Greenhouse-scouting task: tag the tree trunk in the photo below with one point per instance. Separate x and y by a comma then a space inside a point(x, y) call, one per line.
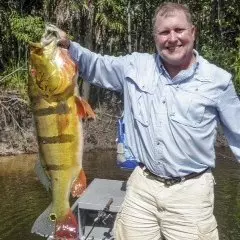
point(89, 44)
point(129, 27)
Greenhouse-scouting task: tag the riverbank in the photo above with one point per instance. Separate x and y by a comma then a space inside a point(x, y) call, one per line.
point(17, 134)
point(98, 134)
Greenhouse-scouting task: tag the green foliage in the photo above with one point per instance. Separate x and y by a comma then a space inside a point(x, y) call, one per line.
point(110, 23)
point(219, 55)
point(26, 28)
point(103, 26)
point(23, 29)
point(15, 78)
point(236, 66)
point(225, 57)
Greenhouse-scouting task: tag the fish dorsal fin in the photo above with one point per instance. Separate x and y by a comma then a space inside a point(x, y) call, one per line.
point(84, 109)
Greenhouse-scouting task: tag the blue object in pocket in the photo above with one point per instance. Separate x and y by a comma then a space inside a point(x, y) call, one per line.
point(124, 163)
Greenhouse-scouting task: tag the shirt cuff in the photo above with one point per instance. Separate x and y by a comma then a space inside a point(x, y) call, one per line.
point(74, 49)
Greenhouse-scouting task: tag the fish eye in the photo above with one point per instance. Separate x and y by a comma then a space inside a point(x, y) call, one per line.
point(53, 217)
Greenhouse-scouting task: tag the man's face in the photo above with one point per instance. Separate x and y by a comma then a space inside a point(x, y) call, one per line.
point(174, 38)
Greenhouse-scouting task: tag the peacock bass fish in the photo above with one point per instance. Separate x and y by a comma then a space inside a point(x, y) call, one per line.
point(58, 111)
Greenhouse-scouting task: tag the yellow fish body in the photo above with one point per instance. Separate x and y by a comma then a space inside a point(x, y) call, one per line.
point(58, 110)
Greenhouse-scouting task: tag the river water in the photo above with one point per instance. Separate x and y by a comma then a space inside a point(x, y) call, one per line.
point(23, 198)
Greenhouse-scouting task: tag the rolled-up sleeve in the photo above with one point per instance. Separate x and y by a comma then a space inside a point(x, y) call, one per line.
point(229, 113)
point(103, 71)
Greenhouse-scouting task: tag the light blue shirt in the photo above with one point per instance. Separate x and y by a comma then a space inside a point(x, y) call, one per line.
point(170, 124)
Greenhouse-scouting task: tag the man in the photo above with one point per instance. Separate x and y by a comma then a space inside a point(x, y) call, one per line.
point(173, 101)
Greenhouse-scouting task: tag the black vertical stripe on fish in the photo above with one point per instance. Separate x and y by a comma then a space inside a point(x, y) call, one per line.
point(35, 100)
point(63, 96)
point(55, 167)
point(61, 108)
point(68, 92)
point(64, 138)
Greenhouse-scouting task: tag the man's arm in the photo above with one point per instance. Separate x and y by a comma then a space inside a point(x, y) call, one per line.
point(229, 113)
point(104, 71)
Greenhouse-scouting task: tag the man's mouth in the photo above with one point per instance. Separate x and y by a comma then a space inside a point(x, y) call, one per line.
point(173, 48)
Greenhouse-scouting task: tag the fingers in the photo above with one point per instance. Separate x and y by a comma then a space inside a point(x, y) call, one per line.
point(64, 43)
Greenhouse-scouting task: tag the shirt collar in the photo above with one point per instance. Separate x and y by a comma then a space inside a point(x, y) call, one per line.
point(182, 75)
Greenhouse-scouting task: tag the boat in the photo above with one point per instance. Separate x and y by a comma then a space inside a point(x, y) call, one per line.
point(97, 207)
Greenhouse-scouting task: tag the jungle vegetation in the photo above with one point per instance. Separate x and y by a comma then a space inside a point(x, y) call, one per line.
point(113, 27)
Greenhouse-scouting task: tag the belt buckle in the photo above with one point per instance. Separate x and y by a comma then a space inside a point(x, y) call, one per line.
point(169, 182)
point(172, 181)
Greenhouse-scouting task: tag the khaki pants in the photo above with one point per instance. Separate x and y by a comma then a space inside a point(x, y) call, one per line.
point(152, 211)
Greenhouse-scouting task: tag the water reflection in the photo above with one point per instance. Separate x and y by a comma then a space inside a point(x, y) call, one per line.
point(23, 198)
point(227, 195)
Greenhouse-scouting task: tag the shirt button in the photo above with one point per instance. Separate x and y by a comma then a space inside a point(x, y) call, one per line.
point(158, 143)
point(163, 101)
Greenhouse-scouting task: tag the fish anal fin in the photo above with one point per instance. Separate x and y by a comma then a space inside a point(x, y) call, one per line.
point(84, 109)
point(79, 184)
point(67, 227)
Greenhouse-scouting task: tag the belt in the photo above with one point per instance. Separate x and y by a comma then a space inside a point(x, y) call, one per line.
point(171, 181)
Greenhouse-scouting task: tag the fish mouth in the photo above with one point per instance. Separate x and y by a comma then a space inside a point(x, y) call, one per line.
point(36, 48)
point(35, 45)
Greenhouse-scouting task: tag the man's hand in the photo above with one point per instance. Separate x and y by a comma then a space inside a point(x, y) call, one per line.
point(63, 42)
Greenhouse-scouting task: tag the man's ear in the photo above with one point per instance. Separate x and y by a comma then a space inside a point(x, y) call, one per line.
point(194, 32)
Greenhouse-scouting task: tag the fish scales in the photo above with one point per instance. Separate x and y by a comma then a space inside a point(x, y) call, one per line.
point(57, 110)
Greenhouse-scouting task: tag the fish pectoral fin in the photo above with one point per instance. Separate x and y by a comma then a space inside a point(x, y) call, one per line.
point(84, 109)
point(67, 228)
point(79, 184)
point(43, 226)
point(42, 175)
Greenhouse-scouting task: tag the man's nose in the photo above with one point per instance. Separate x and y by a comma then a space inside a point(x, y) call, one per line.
point(172, 36)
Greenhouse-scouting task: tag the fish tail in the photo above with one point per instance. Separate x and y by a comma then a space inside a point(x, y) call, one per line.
point(43, 226)
point(79, 184)
point(67, 228)
point(63, 229)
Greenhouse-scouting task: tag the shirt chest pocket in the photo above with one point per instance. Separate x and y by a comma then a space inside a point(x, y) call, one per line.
point(140, 104)
point(141, 109)
point(187, 109)
point(140, 97)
